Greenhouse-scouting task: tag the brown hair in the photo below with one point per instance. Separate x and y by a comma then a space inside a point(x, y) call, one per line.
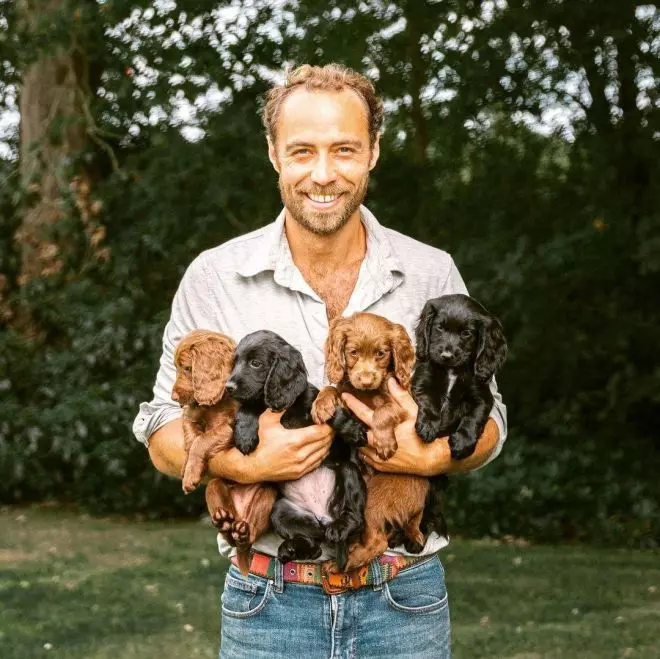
point(331, 77)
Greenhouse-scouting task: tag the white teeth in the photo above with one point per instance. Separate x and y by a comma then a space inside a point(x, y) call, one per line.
point(325, 199)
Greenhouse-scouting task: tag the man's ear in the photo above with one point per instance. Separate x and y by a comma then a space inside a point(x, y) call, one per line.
point(375, 153)
point(272, 155)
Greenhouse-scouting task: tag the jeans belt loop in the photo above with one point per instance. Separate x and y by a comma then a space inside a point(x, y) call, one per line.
point(278, 576)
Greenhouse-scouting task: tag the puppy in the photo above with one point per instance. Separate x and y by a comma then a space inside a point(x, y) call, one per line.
point(326, 504)
point(241, 512)
point(203, 361)
point(460, 346)
point(362, 352)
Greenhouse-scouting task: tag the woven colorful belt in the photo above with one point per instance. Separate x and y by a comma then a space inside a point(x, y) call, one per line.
point(262, 565)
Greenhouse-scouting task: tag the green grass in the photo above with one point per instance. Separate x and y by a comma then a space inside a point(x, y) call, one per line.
point(107, 588)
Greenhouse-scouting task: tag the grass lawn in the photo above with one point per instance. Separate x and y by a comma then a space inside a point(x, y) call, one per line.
point(81, 588)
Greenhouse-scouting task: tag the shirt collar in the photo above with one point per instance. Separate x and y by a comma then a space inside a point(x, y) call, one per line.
point(380, 272)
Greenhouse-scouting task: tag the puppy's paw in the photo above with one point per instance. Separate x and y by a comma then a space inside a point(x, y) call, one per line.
point(298, 548)
point(190, 483)
point(246, 444)
point(337, 531)
point(428, 432)
point(240, 533)
point(413, 546)
point(329, 567)
point(461, 445)
point(325, 405)
point(386, 449)
point(223, 520)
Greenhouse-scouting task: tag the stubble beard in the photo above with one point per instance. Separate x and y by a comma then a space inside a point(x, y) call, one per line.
point(322, 223)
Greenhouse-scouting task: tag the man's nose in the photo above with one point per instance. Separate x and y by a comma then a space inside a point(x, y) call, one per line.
point(175, 395)
point(324, 170)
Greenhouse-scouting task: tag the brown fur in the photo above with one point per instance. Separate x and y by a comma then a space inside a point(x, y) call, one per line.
point(203, 361)
point(394, 501)
point(362, 352)
point(241, 513)
point(203, 364)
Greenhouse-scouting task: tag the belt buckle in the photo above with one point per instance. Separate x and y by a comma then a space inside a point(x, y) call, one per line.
point(336, 583)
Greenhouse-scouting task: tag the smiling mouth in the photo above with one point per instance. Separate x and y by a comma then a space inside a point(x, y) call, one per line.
point(323, 201)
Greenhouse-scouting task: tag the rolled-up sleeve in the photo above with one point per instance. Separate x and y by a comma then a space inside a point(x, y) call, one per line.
point(455, 284)
point(190, 310)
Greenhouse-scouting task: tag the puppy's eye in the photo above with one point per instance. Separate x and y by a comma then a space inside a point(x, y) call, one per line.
point(381, 353)
point(255, 363)
point(352, 352)
point(466, 334)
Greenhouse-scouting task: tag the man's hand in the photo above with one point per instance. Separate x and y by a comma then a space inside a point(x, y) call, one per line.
point(283, 454)
point(412, 456)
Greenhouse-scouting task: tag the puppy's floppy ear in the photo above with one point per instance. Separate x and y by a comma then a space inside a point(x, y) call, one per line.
point(491, 349)
point(287, 379)
point(403, 355)
point(335, 359)
point(423, 329)
point(211, 365)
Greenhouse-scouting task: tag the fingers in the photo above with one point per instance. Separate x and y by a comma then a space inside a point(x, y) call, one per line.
point(361, 411)
point(402, 397)
point(314, 460)
point(369, 456)
point(315, 433)
point(270, 418)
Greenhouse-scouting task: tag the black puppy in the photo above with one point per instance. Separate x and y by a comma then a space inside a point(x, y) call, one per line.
point(460, 346)
point(326, 505)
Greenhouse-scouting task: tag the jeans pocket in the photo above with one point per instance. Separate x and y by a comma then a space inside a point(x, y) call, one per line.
point(420, 589)
point(244, 597)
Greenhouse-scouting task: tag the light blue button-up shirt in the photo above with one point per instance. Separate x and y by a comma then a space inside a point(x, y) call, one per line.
point(251, 283)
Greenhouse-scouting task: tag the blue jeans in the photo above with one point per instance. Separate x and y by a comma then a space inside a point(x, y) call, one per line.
point(406, 618)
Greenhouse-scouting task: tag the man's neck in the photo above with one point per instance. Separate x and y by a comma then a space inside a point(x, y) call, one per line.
point(313, 252)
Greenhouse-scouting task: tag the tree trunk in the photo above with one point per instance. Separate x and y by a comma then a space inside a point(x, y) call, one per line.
point(417, 81)
point(53, 133)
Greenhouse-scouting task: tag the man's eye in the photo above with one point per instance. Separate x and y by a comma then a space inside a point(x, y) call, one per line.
point(255, 363)
point(187, 369)
point(345, 149)
point(301, 152)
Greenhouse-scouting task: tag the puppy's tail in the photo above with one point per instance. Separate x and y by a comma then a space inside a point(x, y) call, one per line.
point(243, 559)
point(341, 555)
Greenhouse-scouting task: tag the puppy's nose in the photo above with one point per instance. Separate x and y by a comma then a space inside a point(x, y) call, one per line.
point(175, 396)
point(231, 387)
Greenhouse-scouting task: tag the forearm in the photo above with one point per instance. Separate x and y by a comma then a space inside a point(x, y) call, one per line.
point(167, 454)
point(445, 464)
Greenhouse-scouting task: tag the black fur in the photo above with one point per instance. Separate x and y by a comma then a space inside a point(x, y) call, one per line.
point(455, 336)
point(269, 372)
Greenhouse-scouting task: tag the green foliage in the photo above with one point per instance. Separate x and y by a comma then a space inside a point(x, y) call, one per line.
point(558, 234)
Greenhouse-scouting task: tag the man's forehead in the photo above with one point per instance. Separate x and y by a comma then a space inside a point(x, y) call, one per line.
point(327, 115)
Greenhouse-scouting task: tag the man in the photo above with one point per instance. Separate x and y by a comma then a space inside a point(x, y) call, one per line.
point(325, 255)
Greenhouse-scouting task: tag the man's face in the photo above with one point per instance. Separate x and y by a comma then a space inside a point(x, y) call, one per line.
point(323, 157)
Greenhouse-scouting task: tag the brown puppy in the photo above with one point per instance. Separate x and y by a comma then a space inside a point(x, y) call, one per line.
point(203, 361)
point(362, 352)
